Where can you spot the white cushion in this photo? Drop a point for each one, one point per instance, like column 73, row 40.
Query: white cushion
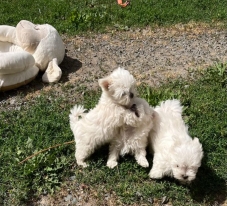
column 8, row 34
column 13, row 59
column 17, row 67
column 12, row 81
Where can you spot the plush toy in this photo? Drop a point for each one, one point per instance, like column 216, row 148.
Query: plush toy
column 27, row 49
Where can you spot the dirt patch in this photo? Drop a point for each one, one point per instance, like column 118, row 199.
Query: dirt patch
column 151, row 55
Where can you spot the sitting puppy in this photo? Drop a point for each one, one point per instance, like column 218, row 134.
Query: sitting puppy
column 102, row 123
column 133, row 138
column 175, row 152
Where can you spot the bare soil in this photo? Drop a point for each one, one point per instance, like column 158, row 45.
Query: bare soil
column 151, row 55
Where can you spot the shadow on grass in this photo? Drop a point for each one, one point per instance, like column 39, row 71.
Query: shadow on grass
column 69, row 65
column 208, row 187
column 100, row 156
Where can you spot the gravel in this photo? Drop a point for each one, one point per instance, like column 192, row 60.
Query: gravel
column 151, row 56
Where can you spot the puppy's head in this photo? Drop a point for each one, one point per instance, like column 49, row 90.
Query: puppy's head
column 119, row 86
column 186, row 159
column 143, row 110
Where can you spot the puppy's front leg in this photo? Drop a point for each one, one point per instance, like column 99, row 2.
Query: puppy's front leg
column 141, row 159
column 131, row 116
column 156, row 171
column 113, row 156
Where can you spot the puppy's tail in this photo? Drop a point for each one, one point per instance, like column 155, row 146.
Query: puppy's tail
column 171, row 106
column 76, row 112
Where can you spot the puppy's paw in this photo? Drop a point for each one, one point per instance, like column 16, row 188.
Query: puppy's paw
column 134, row 109
column 154, row 174
column 142, row 161
column 111, row 163
column 83, row 164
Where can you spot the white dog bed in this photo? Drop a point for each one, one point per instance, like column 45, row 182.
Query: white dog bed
column 17, row 67
column 27, row 49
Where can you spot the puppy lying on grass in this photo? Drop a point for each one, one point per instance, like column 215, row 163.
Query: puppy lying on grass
column 175, row 152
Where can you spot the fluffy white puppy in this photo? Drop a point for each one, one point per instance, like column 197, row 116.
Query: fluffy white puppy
column 133, row 139
column 102, row 123
column 175, row 152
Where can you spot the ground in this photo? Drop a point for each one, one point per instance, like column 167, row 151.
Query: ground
column 152, row 55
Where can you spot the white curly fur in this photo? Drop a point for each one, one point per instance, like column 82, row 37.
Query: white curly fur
column 133, row 139
column 175, row 152
column 101, row 124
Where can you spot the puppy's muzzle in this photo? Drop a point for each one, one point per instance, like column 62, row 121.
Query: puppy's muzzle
column 185, row 177
column 134, row 109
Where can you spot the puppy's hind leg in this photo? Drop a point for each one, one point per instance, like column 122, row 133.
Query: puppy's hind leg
column 81, row 154
column 131, row 117
column 140, row 157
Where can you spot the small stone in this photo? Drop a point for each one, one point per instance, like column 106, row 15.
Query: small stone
column 72, row 178
column 138, row 194
column 74, row 201
column 68, row 198
column 150, row 200
column 12, row 101
column 165, row 200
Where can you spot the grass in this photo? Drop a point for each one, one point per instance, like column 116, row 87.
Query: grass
column 44, row 123
column 73, row 16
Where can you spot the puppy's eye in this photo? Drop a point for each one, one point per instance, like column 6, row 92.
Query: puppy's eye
column 177, row 165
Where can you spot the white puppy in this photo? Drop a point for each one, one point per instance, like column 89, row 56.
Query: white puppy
column 102, row 123
column 133, row 138
column 175, row 152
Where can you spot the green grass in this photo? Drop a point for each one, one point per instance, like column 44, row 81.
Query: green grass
column 73, row 16
column 45, row 123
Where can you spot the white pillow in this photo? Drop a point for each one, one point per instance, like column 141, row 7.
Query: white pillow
column 12, row 81
column 17, row 67
column 13, row 59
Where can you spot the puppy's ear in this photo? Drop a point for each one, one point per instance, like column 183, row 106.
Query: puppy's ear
column 199, row 146
column 104, row 83
column 196, row 140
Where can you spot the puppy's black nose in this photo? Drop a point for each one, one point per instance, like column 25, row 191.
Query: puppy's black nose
column 185, row 176
column 131, row 95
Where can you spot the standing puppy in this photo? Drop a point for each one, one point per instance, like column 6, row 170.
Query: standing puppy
column 175, row 152
column 133, row 138
column 101, row 124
